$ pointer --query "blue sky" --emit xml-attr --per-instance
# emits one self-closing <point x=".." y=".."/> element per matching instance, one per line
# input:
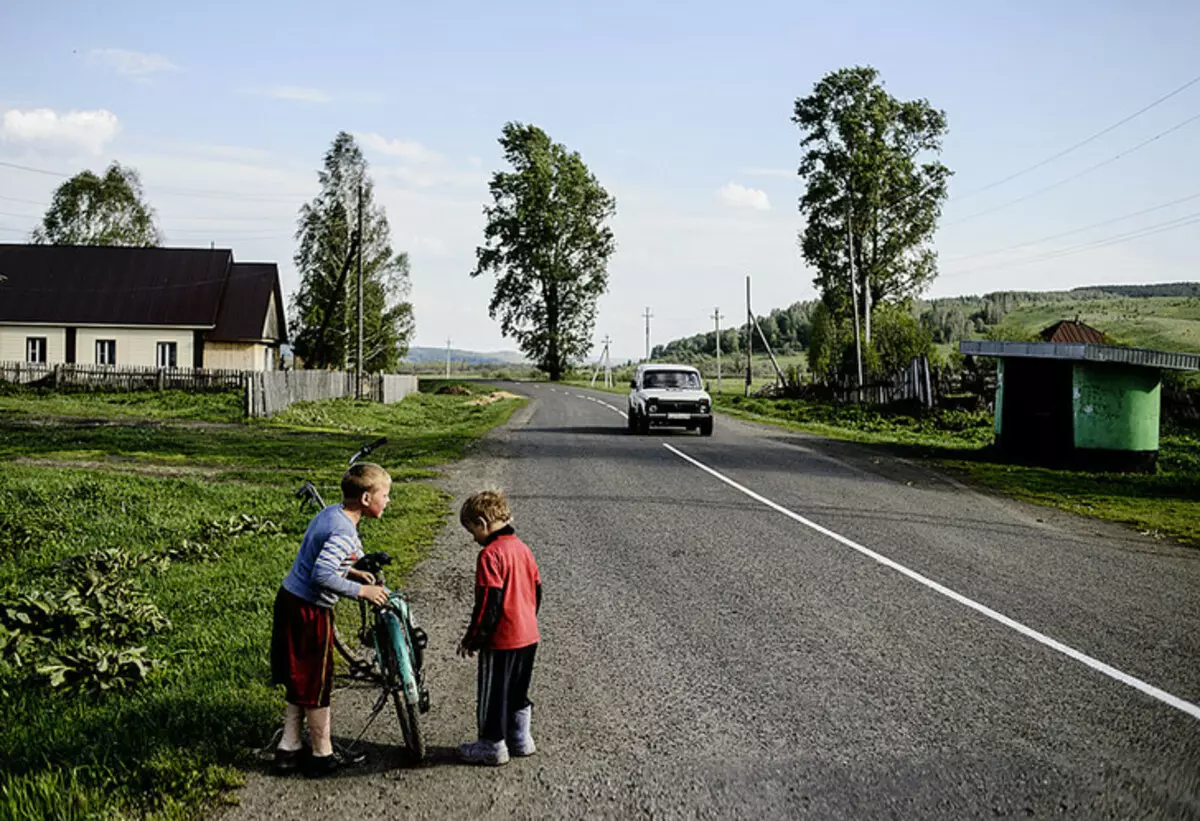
<point x="681" y="109"/>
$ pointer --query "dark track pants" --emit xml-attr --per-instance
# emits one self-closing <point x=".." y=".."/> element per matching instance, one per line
<point x="503" y="689"/>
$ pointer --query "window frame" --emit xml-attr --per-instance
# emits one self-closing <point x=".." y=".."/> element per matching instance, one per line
<point x="171" y="347"/>
<point x="43" y="343"/>
<point x="110" y="346"/>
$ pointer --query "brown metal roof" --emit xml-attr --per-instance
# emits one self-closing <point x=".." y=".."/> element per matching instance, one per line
<point x="1076" y="332"/>
<point x="93" y="285"/>
<point x="243" y="313"/>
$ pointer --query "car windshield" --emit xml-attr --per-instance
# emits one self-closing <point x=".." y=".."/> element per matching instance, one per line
<point x="671" y="379"/>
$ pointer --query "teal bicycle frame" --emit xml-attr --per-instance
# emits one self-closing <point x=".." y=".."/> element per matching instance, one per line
<point x="395" y="636"/>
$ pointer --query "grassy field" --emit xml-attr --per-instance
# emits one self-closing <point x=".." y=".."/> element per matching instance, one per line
<point x="140" y="549"/>
<point x="1166" y="323"/>
<point x="143" y="405"/>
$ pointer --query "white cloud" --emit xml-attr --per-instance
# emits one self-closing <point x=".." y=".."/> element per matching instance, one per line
<point x="132" y="63"/>
<point x="297" y="94"/>
<point x="739" y="196"/>
<point x="409" y="150"/>
<point x="89" y="130"/>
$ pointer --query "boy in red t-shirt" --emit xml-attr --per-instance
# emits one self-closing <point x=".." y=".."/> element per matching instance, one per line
<point x="503" y="629"/>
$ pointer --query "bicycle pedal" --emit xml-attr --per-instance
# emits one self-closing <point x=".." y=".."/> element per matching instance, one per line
<point x="356" y="757"/>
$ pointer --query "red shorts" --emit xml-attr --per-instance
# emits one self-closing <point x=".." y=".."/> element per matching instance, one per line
<point x="302" y="650"/>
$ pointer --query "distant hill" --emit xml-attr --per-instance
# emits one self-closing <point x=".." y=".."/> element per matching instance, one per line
<point x="1164" y="316"/>
<point x="1170" y="289"/>
<point x="423" y="355"/>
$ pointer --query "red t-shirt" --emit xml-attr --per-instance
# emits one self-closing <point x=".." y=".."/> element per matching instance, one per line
<point x="507" y="563"/>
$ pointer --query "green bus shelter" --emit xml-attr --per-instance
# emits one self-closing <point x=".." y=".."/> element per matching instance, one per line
<point x="1083" y="405"/>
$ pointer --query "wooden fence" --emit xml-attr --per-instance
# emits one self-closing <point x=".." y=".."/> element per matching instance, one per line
<point x="266" y="392"/>
<point x="120" y="377"/>
<point x="919" y="383"/>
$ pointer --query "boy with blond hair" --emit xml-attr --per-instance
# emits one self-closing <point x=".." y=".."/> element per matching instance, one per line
<point x="503" y="630"/>
<point x="302" y="631"/>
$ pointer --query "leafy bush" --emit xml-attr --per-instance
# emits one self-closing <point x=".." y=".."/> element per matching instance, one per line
<point x="77" y="635"/>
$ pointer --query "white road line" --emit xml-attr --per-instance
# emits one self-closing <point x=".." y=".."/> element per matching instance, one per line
<point x="600" y="402"/>
<point x="1097" y="665"/>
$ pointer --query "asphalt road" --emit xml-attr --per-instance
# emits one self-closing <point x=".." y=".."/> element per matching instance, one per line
<point x="791" y="627"/>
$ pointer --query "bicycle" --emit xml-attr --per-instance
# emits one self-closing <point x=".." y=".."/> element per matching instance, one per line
<point x="395" y="644"/>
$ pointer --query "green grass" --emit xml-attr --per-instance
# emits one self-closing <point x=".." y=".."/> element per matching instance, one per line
<point x="1165" y="323"/>
<point x="22" y="402"/>
<point x="173" y="744"/>
<point x="1166" y="504"/>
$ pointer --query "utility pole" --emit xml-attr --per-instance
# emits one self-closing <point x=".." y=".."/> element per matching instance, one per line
<point x="717" y="319"/>
<point x="447" y="357"/>
<point x="604" y="360"/>
<point x="608" y="377"/>
<point x="358" y="371"/>
<point x="648" y="316"/>
<point x="749" y="340"/>
<point x="854" y="292"/>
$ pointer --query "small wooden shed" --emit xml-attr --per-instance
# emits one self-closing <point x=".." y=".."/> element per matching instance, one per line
<point x="1076" y="402"/>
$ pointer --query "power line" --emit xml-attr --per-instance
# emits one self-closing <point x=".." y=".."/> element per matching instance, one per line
<point x="1146" y="231"/>
<point x="1079" y="230"/>
<point x="33" y="170"/>
<point x="179" y="192"/>
<point x="1076" y="176"/>
<point x="1081" y="143"/>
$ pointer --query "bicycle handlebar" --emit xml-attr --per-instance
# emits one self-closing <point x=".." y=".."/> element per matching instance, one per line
<point x="373" y="563"/>
<point x="367" y="449"/>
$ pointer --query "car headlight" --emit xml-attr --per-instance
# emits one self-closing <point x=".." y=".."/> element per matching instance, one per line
<point x="653" y="407"/>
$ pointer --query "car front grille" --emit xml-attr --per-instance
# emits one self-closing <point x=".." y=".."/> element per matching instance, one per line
<point x="667" y="406"/>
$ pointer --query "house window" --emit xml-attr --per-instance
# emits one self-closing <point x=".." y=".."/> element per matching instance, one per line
<point x="106" y="351"/>
<point x="166" y="354"/>
<point x="35" y="349"/>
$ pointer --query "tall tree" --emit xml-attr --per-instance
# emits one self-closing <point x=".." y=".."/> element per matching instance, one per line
<point x="92" y="210"/>
<point x="325" y="306"/>
<point x="547" y="242"/>
<point x="866" y="178"/>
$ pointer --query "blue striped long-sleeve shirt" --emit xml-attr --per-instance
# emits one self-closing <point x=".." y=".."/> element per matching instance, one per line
<point x="330" y="547"/>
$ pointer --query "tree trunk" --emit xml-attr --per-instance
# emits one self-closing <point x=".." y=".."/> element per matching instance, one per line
<point x="552" y="355"/>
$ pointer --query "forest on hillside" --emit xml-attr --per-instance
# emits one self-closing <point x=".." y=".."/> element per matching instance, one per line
<point x="1164" y="315"/>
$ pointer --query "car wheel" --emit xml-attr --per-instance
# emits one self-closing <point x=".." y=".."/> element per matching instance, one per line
<point x="706" y="427"/>
<point x="632" y="420"/>
<point x="643" y="425"/>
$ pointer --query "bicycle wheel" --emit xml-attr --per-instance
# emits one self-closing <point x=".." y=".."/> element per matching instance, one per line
<point x="360" y="664"/>
<point x="406" y="712"/>
<point x="410" y="727"/>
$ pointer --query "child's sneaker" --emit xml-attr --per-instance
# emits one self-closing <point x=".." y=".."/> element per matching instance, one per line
<point x="492" y="753"/>
<point x="522" y="739"/>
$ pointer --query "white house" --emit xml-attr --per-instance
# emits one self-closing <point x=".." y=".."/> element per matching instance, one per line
<point x="143" y="307"/>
